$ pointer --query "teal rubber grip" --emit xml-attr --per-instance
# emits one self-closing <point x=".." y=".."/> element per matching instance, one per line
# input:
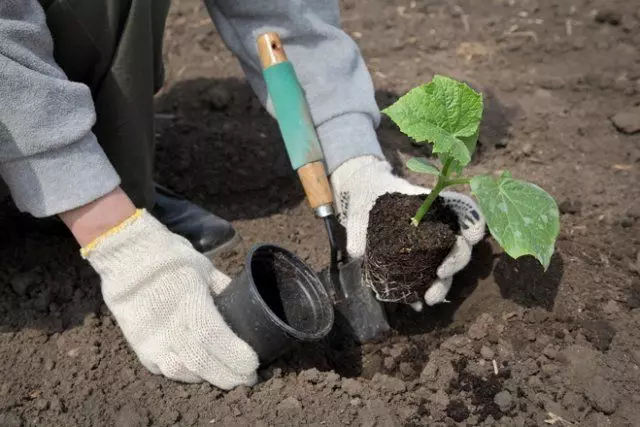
<point x="292" y="113"/>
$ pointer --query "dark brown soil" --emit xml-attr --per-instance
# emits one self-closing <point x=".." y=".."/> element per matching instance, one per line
<point x="400" y="259"/>
<point x="553" y="78"/>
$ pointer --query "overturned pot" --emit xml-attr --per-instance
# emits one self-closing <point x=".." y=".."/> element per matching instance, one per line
<point x="276" y="301"/>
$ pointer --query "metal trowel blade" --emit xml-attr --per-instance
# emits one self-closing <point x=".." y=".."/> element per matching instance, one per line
<point x="358" y="313"/>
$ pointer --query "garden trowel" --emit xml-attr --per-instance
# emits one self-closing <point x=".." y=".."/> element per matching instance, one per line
<point x="357" y="310"/>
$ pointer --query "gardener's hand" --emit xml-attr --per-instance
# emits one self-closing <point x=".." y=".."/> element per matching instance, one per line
<point x="159" y="290"/>
<point x="357" y="184"/>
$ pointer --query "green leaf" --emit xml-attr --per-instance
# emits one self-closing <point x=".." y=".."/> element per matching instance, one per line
<point x="471" y="141"/>
<point x="521" y="216"/>
<point x="443" y="112"/>
<point x="422" y="165"/>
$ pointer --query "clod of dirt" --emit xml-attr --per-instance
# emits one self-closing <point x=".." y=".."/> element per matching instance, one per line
<point x="289" y="406"/>
<point x="480" y="327"/>
<point x="438" y="372"/>
<point x="608" y="16"/>
<point x="611" y="307"/>
<point x="599" y="332"/>
<point x="627" y="121"/>
<point x="504" y="400"/>
<point x="401" y="260"/>
<point x="390" y="384"/>
<point x="352" y="387"/>
<point x="440" y="398"/>
<point x="311" y="375"/>
<point x="601" y="394"/>
<point x="457" y="410"/>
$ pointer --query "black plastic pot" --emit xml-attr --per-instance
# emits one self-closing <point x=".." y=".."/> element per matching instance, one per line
<point x="275" y="301"/>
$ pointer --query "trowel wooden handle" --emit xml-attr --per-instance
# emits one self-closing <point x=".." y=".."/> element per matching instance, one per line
<point x="294" y="120"/>
<point x="271" y="50"/>
<point x="316" y="185"/>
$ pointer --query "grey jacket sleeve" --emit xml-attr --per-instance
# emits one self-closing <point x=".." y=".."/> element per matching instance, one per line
<point x="49" y="158"/>
<point x="329" y="65"/>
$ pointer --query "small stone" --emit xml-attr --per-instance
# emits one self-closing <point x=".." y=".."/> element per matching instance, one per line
<point x="627" y="121"/>
<point x="352" y="387"/>
<point x="289" y="405"/>
<point x="570" y="206"/>
<point x="504" y="400"/>
<point x="49" y="364"/>
<point x="601" y="395"/>
<point x="74" y="352"/>
<point x="390" y="384"/>
<point x="355" y="402"/>
<point x="22" y="282"/>
<point x="237" y="412"/>
<point x="487" y="353"/>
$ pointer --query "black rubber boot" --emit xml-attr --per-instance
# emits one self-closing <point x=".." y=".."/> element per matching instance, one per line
<point x="208" y="233"/>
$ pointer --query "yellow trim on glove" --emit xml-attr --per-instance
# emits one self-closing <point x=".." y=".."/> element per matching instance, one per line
<point x="91" y="246"/>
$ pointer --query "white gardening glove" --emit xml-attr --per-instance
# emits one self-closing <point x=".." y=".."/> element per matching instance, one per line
<point x="158" y="288"/>
<point x="358" y="183"/>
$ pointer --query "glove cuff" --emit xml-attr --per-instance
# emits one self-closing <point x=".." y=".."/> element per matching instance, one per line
<point x="86" y="250"/>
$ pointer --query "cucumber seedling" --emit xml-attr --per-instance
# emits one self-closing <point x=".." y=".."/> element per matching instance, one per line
<point x="521" y="216"/>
